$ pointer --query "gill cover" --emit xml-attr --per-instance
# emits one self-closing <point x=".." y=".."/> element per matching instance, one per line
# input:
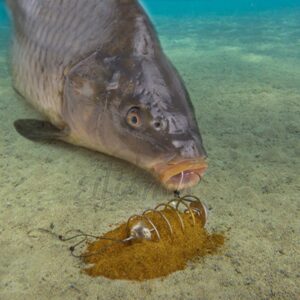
<point x="87" y="88"/>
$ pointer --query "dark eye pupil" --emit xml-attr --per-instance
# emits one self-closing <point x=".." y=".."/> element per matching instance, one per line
<point x="157" y="124"/>
<point x="134" y="120"/>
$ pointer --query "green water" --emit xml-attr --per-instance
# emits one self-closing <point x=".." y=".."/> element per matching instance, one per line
<point x="241" y="65"/>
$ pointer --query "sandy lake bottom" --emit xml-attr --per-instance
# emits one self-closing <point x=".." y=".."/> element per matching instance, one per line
<point x="243" y="74"/>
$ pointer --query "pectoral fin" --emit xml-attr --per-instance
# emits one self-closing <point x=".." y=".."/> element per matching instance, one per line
<point x="38" y="130"/>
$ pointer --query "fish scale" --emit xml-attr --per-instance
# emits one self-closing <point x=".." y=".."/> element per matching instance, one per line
<point x="58" y="39"/>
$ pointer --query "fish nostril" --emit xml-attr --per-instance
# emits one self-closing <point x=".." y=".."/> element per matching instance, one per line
<point x="157" y="124"/>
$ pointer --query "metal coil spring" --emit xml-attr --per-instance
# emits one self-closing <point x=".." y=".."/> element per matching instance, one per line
<point x="191" y="205"/>
<point x="143" y="228"/>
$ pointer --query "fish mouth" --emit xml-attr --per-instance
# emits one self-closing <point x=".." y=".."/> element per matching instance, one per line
<point x="178" y="175"/>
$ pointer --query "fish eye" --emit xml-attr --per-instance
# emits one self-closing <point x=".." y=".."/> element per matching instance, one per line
<point x="134" y="118"/>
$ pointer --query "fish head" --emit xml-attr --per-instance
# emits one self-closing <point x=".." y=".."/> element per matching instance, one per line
<point x="154" y="123"/>
<point x="143" y="115"/>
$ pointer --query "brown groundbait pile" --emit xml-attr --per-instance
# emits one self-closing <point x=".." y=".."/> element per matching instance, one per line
<point x="151" y="259"/>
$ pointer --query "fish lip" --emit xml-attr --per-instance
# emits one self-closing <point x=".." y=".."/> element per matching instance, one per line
<point x="180" y="174"/>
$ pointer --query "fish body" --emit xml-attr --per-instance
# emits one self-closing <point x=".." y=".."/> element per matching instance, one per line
<point x="97" y="73"/>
